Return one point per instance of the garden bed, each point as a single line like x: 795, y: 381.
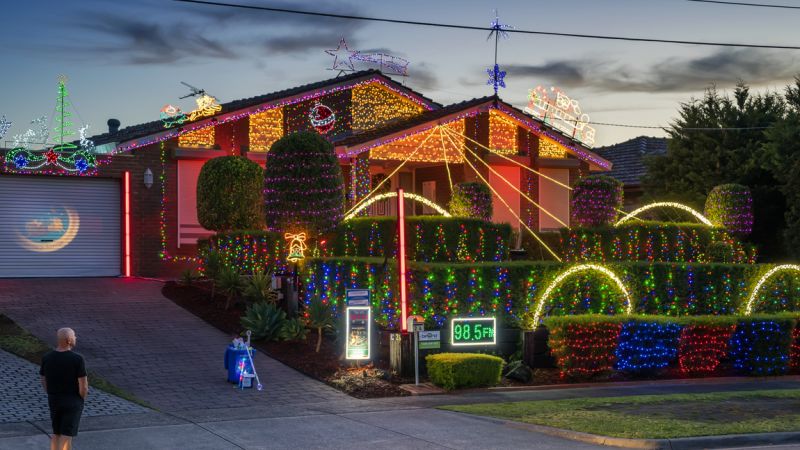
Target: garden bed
x: 326, y: 366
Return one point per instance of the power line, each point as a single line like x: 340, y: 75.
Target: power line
x: 762, y: 5
x: 484, y: 29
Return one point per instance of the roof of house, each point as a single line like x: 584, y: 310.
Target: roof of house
x: 628, y: 157
x: 144, y: 129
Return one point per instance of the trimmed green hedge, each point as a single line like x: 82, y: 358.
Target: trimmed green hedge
x: 509, y: 290
x: 229, y: 194
x: 464, y: 370
x: 429, y: 238
x: 246, y: 251
x: 585, y: 345
x: 651, y: 242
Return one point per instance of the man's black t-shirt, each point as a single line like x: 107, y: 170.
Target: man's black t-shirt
x: 62, y: 370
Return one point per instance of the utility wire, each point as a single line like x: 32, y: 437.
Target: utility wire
x: 484, y: 29
x: 762, y: 5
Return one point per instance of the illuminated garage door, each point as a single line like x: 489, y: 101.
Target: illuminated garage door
x: 59, y: 226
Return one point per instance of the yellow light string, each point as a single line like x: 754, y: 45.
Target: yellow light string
x: 444, y: 153
x: 510, y: 209
x: 513, y: 161
x: 406, y: 195
x: 782, y: 268
x: 675, y: 205
x: 515, y: 188
x: 391, y: 174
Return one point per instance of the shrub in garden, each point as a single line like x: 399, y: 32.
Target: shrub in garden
x: 265, y: 320
x: 319, y: 316
x: 471, y: 199
x: 303, y: 185
x: 584, y: 345
x: 229, y: 194
x: 647, y: 343
x: 721, y: 252
x: 596, y: 200
x: 760, y: 345
x: 794, y: 352
x: 259, y: 288
x: 249, y: 251
x: 294, y: 330
x: 231, y: 284
x: 703, y: 343
x: 731, y: 206
x: 463, y: 370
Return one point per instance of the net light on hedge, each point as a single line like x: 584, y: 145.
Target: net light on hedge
x: 573, y: 270
x: 680, y: 206
x: 764, y: 278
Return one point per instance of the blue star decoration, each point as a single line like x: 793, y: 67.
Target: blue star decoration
x: 496, y: 78
x: 20, y: 161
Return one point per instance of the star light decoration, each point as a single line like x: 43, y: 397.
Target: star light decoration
x: 497, y: 76
x: 4, y: 126
x: 342, y: 59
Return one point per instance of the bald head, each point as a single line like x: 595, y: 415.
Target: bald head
x: 66, y: 337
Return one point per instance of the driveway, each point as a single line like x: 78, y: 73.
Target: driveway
x: 145, y: 344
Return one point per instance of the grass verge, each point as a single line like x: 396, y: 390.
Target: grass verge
x: 657, y: 416
x: 16, y: 340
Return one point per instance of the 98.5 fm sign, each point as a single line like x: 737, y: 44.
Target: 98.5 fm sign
x: 467, y: 331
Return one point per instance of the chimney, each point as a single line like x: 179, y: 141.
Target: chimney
x: 113, y: 126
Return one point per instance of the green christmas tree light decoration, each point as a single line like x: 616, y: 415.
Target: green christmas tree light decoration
x: 64, y: 155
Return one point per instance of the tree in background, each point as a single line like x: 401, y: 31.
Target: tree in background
x: 471, y: 199
x: 698, y: 160
x: 229, y: 194
x: 783, y: 158
x: 596, y: 200
x: 303, y: 185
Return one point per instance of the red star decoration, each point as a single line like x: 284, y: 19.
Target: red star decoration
x: 51, y: 156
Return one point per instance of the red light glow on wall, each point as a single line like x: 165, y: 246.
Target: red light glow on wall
x: 126, y: 217
x: 401, y: 258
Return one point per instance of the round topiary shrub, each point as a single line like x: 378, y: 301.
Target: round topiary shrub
x: 731, y: 206
x: 229, y: 194
x: 471, y: 199
x: 596, y: 200
x: 303, y: 185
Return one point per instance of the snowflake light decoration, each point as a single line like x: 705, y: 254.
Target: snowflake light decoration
x: 496, y: 78
x: 4, y: 126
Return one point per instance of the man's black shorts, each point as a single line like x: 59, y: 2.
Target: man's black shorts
x: 65, y: 413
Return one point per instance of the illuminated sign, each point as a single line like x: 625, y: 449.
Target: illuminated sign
x: 559, y: 111
x: 359, y: 332
x: 473, y: 331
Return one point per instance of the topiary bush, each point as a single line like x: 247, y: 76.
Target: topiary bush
x: 464, y: 370
x: 229, y: 194
x: 247, y: 251
x: 471, y: 199
x: 721, y: 252
x: 303, y: 185
x: 731, y: 206
x: 596, y: 200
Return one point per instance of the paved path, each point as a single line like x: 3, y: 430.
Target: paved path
x: 23, y: 399
x: 145, y: 344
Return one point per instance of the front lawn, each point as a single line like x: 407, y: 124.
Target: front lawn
x: 657, y: 416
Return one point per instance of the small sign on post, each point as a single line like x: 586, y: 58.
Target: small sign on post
x: 416, y: 324
x: 359, y: 324
x: 430, y: 340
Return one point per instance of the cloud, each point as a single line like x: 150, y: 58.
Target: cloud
x: 675, y: 74
x: 423, y: 76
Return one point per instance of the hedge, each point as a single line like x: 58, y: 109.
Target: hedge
x: 731, y: 206
x: 464, y: 370
x: 596, y: 201
x: 246, y: 251
x: 429, y: 238
x: 229, y: 194
x: 650, y: 241
x: 585, y: 345
x: 471, y: 199
x: 509, y: 290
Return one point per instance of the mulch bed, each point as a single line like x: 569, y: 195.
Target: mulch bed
x: 327, y: 365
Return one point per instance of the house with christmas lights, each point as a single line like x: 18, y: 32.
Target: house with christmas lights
x: 128, y: 202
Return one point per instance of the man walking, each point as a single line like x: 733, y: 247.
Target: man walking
x: 64, y: 379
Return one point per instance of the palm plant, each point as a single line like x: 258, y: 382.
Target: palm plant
x: 188, y: 277
x: 259, y: 288
x: 231, y: 284
x: 320, y: 316
x: 265, y: 321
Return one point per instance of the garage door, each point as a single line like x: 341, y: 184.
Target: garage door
x: 59, y: 226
